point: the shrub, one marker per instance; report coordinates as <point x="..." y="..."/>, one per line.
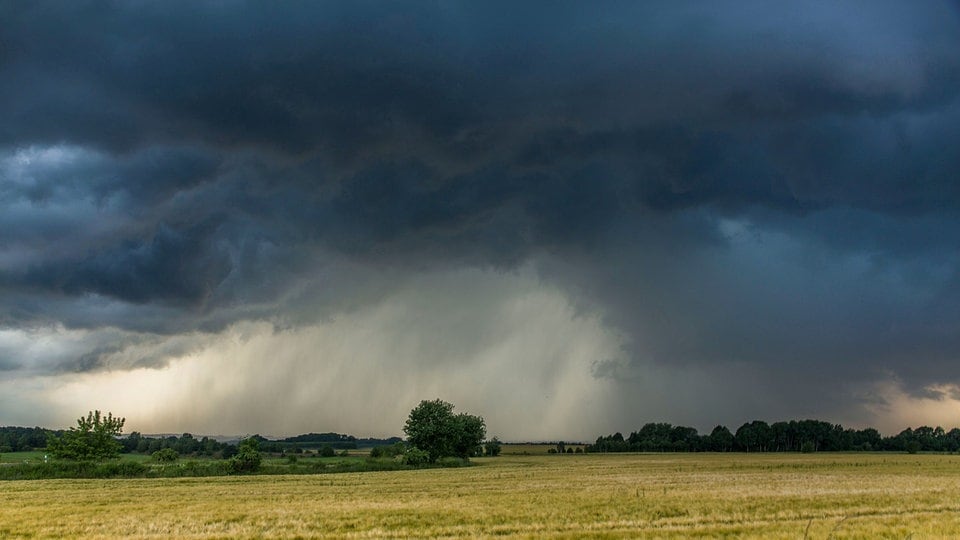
<point x="166" y="455"/>
<point x="492" y="447"/>
<point x="808" y="447"/>
<point x="912" y="447"/>
<point x="416" y="457"/>
<point x="247" y="458"/>
<point x="123" y="468"/>
<point x="327" y="451"/>
<point x="392" y="450"/>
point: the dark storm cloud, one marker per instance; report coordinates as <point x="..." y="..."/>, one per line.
<point x="744" y="182"/>
<point x="176" y="266"/>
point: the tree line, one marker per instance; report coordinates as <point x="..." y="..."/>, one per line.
<point x="786" y="436"/>
<point x="25" y="439"/>
<point x="436" y="437"/>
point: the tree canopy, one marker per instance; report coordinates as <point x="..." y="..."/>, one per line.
<point x="94" y="438"/>
<point x="792" y="436"/>
<point x="434" y="428"/>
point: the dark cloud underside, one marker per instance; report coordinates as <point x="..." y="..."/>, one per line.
<point x="726" y="183"/>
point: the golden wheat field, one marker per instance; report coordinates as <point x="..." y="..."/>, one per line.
<point x="568" y="496"/>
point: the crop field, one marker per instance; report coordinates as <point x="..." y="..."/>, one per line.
<point x="573" y="496"/>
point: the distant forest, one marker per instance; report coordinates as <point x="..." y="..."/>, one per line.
<point x="792" y="436"/>
<point x="23" y="439"/>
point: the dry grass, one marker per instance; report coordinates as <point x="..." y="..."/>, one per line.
<point x="608" y="496"/>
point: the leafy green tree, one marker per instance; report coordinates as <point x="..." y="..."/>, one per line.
<point x="721" y="440"/>
<point x="94" y="438"/>
<point x="470" y="432"/>
<point x="754" y="436"/>
<point x="247" y="459"/>
<point x="433" y="428"/>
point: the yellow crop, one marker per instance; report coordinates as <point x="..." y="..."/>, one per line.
<point x="569" y="496"/>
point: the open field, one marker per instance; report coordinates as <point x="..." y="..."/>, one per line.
<point x="574" y="496"/>
<point x="22" y="457"/>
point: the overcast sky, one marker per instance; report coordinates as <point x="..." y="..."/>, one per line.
<point x="571" y="218"/>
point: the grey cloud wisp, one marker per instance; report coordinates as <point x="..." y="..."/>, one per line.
<point x="766" y="193"/>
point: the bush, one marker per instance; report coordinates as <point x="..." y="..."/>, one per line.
<point x="327" y="451"/>
<point x="416" y="457"/>
<point x="123" y="468"/>
<point x="248" y="457"/>
<point x="492" y="447"/>
<point x="392" y="450"/>
<point x="808" y="447"/>
<point x="912" y="447"/>
<point x="166" y="455"/>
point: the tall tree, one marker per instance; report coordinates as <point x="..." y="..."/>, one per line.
<point x="433" y="428"/>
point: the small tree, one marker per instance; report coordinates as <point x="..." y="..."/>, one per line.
<point x="247" y="458"/>
<point x="94" y="438"/>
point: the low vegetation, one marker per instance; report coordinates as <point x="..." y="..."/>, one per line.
<point x="438" y="438"/>
<point x="185" y="487"/>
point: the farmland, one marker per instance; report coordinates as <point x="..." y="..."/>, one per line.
<point x="664" y="495"/>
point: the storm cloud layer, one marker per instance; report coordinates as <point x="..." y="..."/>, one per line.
<point x="747" y="209"/>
